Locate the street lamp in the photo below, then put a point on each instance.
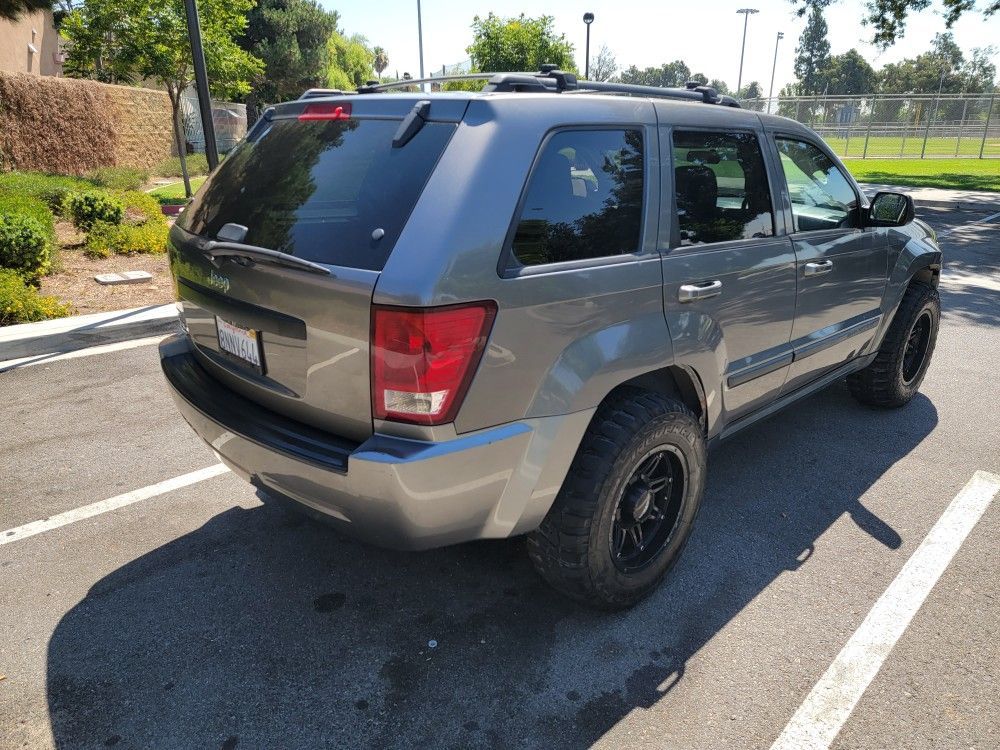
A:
(420, 40)
(201, 82)
(770, 91)
(588, 18)
(747, 12)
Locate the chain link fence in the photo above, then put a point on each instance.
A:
(884, 126)
(229, 119)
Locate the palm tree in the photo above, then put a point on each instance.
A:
(381, 61)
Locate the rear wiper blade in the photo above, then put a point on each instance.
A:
(215, 249)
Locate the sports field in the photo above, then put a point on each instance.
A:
(952, 174)
(910, 145)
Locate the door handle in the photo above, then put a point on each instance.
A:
(819, 267)
(701, 290)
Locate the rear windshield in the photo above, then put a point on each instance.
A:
(320, 190)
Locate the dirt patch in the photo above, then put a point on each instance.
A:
(74, 281)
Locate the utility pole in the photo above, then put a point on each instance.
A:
(588, 18)
(201, 82)
(747, 12)
(770, 91)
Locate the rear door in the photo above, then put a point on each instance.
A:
(840, 264)
(326, 185)
(728, 278)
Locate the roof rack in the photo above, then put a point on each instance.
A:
(552, 80)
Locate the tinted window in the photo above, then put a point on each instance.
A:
(721, 187)
(822, 197)
(584, 198)
(318, 189)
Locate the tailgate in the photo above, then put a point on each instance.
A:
(312, 335)
(328, 182)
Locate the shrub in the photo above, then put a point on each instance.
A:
(126, 239)
(21, 303)
(119, 178)
(56, 199)
(28, 205)
(90, 207)
(197, 164)
(24, 246)
(141, 207)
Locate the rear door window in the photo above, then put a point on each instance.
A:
(584, 198)
(321, 190)
(721, 187)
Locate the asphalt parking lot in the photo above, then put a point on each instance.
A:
(200, 618)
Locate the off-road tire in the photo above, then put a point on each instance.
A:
(882, 383)
(572, 547)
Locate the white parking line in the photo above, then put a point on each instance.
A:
(988, 219)
(113, 503)
(818, 720)
(44, 359)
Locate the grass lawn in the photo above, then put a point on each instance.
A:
(953, 174)
(176, 189)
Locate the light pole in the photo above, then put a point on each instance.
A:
(201, 82)
(747, 12)
(588, 18)
(420, 41)
(770, 90)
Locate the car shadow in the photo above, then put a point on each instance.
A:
(261, 629)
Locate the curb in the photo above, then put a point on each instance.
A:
(987, 202)
(83, 331)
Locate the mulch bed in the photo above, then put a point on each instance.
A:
(74, 282)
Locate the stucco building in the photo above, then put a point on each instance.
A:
(30, 45)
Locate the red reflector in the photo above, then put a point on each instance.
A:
(423, 359)
(326, 111)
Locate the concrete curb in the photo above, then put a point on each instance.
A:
(83, 331)
(955, 200)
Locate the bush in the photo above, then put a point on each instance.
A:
(197, 164)
(21, 303)
(24, 246)
(141, 207)
(88, 208)
(119, 178)
(56, 199)
(126, 239)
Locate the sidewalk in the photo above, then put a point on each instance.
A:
(940, 198)
(83, 331)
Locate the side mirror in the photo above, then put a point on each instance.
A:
(890, 210)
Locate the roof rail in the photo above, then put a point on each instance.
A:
(316, 93)
(552, 80)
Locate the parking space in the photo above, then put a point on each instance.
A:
(200, 617)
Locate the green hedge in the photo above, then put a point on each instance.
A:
(21, 302)
(88, 208)
(27, 235)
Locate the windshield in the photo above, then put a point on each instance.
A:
(320, 190)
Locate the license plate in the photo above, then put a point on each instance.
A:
(242, 344)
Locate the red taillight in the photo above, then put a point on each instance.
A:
(424, 358)
(326, 111)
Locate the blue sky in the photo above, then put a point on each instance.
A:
(706, 35)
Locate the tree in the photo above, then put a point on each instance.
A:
(888, 17)
(290, 37)
(351, 61)
(514, 44)
(12, 10)
(152, 38)
(850, 73)
(751, 91)
(381, 61)
(676, 73)
(719, 85)
(812, 56)
(604, 65)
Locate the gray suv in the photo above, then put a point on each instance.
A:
(434, 318)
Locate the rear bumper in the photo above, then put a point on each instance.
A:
(391, 491)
